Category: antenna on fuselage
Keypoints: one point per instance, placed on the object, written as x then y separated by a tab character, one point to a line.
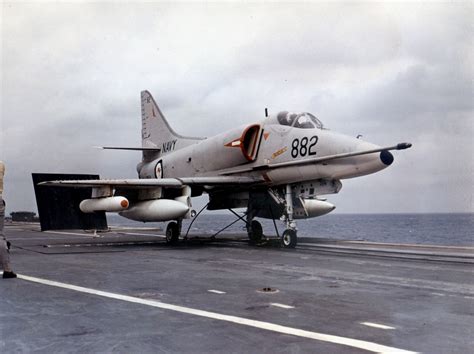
266	112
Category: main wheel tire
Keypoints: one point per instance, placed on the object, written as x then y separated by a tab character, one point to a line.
256	231
289	239
172	233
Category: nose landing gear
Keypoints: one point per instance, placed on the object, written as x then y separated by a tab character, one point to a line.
289	237
277	201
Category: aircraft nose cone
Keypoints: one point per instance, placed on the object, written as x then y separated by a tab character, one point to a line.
386	157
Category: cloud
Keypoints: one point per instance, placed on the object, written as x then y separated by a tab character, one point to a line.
72	73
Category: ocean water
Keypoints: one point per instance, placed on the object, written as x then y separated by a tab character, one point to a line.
435	229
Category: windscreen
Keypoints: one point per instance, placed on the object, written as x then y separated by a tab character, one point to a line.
303	120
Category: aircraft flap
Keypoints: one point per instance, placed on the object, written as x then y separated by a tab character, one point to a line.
156	182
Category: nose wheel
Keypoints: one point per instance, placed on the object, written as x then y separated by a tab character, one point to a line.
289	238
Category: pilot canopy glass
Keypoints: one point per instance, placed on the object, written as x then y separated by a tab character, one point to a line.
303	120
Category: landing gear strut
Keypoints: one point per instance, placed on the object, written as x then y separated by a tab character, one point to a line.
173	230
289	237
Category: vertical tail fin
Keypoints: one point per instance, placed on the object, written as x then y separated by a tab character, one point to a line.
156	131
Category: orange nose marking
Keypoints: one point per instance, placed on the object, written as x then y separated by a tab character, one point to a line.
124	203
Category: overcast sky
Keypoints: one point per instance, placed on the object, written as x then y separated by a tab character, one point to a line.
72	76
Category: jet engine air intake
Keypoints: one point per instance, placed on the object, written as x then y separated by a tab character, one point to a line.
248	142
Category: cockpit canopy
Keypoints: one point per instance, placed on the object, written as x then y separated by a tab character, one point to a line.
303	120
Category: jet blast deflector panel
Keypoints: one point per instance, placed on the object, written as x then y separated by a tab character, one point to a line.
58	208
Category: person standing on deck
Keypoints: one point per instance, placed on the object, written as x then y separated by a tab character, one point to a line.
4	252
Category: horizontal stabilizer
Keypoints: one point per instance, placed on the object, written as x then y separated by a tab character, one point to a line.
129	148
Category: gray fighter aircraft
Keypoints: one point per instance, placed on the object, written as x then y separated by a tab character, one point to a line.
276	168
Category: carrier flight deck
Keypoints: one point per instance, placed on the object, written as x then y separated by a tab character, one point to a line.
126	291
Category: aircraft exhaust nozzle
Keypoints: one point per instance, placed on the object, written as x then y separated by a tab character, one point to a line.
107	204
316	207
156	210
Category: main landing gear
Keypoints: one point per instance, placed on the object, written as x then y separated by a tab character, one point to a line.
173	230
255	231
254	228
284	205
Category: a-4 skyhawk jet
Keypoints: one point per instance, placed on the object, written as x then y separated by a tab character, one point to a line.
275	168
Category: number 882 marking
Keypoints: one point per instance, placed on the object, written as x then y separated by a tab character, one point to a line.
301	148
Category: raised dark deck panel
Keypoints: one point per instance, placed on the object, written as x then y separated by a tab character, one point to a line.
58	207
423	295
